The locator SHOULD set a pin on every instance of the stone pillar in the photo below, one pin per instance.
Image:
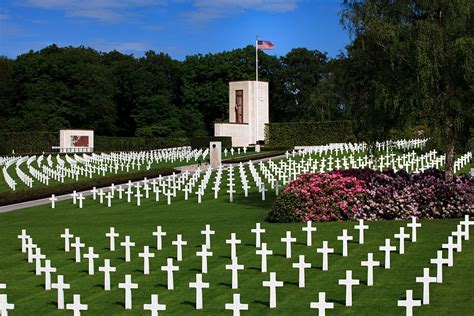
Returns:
(215, 152)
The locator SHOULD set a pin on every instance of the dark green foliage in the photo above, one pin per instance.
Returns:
(308, 133)
(283, 210)
(110, 143)
(203, 141)
(28, 142)
(255, 157)
(12, 197)
(276, 148)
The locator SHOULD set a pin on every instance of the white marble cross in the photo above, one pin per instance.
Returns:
(233, 241)
(109, 198)
(387, 249)
(459, 233)
(235, 266)
(37, 257)
(466, 223)
(208, 232)
(264, 252)
(60, 286)
(179, 243)
(112, 235)
(4, 305)
(78, 245)
(23, 236)
(74, 197)
(90, 256)
(204, 253)
(154, 306)
(138, 195)
(127, 244)
(409, 303)
(199, 285)
(301, 266)
(288, 240)
(272, 284)
(426, 279)
(76, 306)
(128, 286)
(107, 268)
(401, 237)
(325, 250)
(81, 199)
(170, 268)
(348, 282)
(413, 225)
(53, 200)
(370, 264)
(361, 227)
(439, 261)
(257, 231)
(450, 247)
(344, 238)
(321, 305)
(66, 236)
(236, 306)
(30, 246)
(146, 255)
(309, 229)
(47, 270)
(94, 193)
(159, 234)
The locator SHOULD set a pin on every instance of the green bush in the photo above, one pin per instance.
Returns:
(203, 141)
(112, 143)
(308, 133)
(12, 197)
(254, 157)
(28, 142)
(276, 148)
(283, 210)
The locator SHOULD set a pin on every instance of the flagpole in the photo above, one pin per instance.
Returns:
(256, 90)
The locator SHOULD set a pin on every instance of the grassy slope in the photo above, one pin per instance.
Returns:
(188, 218)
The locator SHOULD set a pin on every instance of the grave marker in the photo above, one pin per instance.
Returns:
(272, 284)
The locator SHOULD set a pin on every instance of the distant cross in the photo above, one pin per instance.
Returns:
(159, 234)
(170, 268)
(78, 245)
(76, 306)
(348, 282)
(168, 194)
(53, 200)
(66, 236)
(450, 247)
(199, 285)
(236, 306)
(81, 199)
(361, 227)
(127, 244)
(409, 303)
(401, 237)
(288, 240)
(466, 223)
(413, 225)
(439, 261)
(370, 264)
(90, 256)
(146, 255)
(426, 279)
(47, 270)
(325, 250)
(101, 196)
(344, 238)
(309, 229)
(120, 192)
(264, 252)
(109, 198)
(112, 235)
(387, 249)
(107, 268)
(74, 197)
(154, 306)
(459, 235)
(321, 305)
(257, 231)
(60, 286)
(204, 253)
(272, 284)
(208, 232)
(23, 236)
(233, 241)
(138, 195)
(179, 243)
(301, 266)
(128, 286)
(235, 266)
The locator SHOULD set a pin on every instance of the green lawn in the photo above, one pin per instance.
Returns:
(91, 223)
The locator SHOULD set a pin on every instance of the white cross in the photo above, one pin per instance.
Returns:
(179, 243)
(401, 237)
(321, 305)
(235, 266)
(264, 252)
(288, 240)
(387, 249)
(466, 222)
(109, 198)
(30, 247)
(170, 268)
(439, 261)
(344, 238)
(199, 285)
(127, 244)
(90, 256)
(128, 286)
(325, 250)
(107, 268)
(257, 231)
(3, 286)
(409, 303)
(450, 247)
(204, 253)
(53, 200)
(60, 286)
(94, 193)
(74, 196)
(154, 306)
(47, 269)
(361, 227)
(4, 305)
(101, 196)
(81, 199)
(233, 241)
(66, 237)
(301, 266)
(236, 306)
(459, 233)
(348, 282)
(37, 257)
(159, 234)
(23, 236)
(208, 232)
(426, 279)
(146, 255)
(77, 307)
(138, 195)
(120, 192)
(370, 264)
(273, 284)
(168, 194)
(78, 245)
(112, 235)
(309, 229)
(413, 225)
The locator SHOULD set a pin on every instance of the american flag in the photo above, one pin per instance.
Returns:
(265, 45)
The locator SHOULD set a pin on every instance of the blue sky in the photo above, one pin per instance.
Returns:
(177, 27)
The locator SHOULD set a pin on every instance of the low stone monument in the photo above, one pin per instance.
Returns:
(215, 154)
(76, 141)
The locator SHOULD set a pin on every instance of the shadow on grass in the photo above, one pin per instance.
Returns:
(101, 286)
(55, 304)
(120, 303)
(225, 284)
(85, 271)
(193, 304)
(139, 271)
(267, 304)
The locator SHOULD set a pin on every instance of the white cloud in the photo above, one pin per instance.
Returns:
(122, 46)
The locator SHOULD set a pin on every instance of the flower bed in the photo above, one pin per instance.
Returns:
(371, 195)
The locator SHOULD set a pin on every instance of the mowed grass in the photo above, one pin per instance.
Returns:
(188, 218)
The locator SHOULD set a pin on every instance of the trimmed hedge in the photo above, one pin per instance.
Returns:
(308, 133)
(24, 195)
(254, 157)
(112, 143)
(28, 142)
(203, 141)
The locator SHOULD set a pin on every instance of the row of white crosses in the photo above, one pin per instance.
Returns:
(461, 161)
(461, 233)
(4, 305)
(232, 150)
